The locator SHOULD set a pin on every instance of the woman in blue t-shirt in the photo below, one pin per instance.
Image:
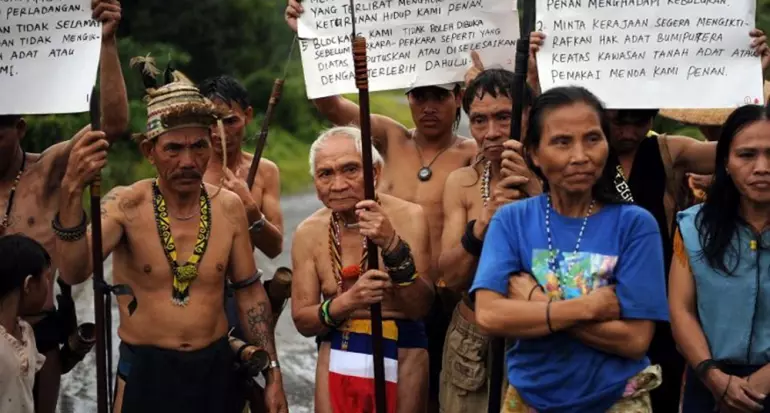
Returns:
(574, 275)
(720, 278)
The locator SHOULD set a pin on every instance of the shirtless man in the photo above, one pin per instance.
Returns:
(174, 354)
(418, 162)
(471, 196)
(29, 190)
(333, 270)
(649, 167)
(263, 200)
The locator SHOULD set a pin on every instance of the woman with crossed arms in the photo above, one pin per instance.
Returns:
(584, 318)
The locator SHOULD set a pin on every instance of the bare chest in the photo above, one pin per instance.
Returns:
(401, 178)
(146, 254)
(30, 210)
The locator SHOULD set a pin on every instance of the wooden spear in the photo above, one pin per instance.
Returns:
(358, 46)
(497, 344)
(100, 309)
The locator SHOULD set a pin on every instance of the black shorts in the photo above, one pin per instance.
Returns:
(169, 381)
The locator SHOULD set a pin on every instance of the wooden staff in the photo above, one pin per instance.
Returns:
(362, 83)
(275, 97)
(497, 344)
(101, 315)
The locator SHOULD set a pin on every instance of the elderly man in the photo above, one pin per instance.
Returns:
(337, 270)
(174, 354)
(471, 197)
(419, 161)
(29, 188)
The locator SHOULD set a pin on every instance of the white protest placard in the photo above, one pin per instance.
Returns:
(49, 54)
(637, 54)
(409, 42)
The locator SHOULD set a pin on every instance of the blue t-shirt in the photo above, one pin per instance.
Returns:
(621, 245)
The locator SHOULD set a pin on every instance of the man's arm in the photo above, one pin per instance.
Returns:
(113, 99)
(692, 155)
(416, 299)
(305, 285)
(456, 264)
(269, 239)
(112, 86)
(341, 112)
(75, 258)
(253, 304)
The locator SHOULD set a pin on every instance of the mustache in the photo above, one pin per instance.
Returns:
(189, 174)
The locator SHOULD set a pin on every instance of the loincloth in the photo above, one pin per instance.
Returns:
(168, 381)
(636, 397)
(351, 366)
(411, 334)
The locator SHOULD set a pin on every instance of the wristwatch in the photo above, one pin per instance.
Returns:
(273, 365)
(258, 224)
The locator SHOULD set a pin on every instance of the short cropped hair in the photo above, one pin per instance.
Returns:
(349, 132)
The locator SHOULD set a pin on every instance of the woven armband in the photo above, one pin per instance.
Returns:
(470, 243)
(69, 234)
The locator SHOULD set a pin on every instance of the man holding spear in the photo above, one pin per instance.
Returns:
(472, 195)
(418, 162)
(30, 188)
(263, 199)
(175, 354)
(338, 271)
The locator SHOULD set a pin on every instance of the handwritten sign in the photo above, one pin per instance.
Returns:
(652, 53)
(409, 42)
(49, 53)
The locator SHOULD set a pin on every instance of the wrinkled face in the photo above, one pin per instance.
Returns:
(748, 163)
(627, 134)
(490, 121)
(10, 136)
(234, 122)
(433, 109)
(35, 293)
(339, 174)
(180, 157)
(573, 149)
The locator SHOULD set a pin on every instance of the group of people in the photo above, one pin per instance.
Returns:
(580, 245)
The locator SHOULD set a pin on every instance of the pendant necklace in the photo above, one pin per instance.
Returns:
(6, 221)
(425, 172)
(551, 252)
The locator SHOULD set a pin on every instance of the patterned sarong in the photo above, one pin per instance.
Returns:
(636, 397)
(351, 367)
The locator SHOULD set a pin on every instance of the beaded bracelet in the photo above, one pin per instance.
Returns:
(325, 316)
(409, 282)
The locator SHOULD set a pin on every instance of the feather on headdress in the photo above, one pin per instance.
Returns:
(175, 104)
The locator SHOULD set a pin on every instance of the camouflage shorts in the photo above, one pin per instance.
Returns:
(636, 397)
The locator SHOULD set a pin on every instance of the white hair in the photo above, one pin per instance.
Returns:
(349, 132)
